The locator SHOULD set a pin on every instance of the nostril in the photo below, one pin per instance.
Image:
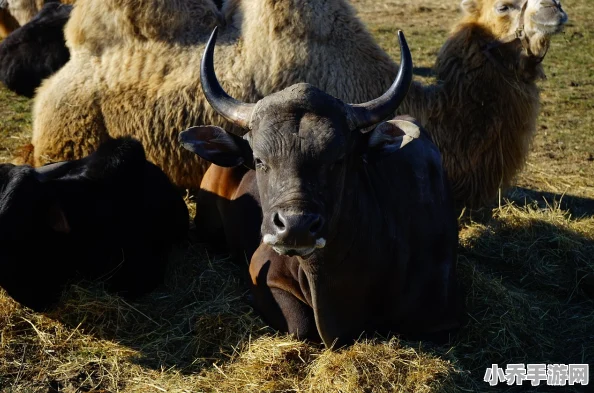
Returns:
(316, 225)
(278, 222)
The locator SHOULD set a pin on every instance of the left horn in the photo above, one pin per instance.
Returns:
(374, 111)
(235, 111)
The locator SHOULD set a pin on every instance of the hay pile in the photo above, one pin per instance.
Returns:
(529, 278)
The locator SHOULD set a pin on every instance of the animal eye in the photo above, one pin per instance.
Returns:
(260, 165)
(502, 8)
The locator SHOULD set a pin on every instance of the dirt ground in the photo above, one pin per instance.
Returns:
(528, 269)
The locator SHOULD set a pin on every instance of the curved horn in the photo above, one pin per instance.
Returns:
(235, 111)
(374, 111)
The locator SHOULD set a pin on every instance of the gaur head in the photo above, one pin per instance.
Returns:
(539, 18)
(303, 144)
(26, 205)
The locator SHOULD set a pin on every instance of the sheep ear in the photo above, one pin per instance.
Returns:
(391, 136)
(469, 6)
(217, 146)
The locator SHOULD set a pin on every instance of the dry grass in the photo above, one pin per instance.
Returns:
(527, 268)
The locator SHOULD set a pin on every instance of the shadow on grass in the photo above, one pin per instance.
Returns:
(201, 315)
(423, 71)
(198, 317)
(577, 206)
(530, 291)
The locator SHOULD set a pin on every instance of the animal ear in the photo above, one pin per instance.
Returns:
(469, 6)
(57, 219)
(391, 136)
(217, 146)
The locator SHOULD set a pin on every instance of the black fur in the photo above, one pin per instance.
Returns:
(36, 50)
(123, 213)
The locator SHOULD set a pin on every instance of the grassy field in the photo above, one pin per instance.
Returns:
(528, 270)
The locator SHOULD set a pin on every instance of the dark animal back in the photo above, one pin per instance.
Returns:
(36, 50)
(123, 213)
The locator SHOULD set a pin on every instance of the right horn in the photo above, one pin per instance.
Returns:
(372, 112)
(235, 111)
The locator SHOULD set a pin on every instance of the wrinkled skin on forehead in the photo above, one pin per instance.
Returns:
(299, 141)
